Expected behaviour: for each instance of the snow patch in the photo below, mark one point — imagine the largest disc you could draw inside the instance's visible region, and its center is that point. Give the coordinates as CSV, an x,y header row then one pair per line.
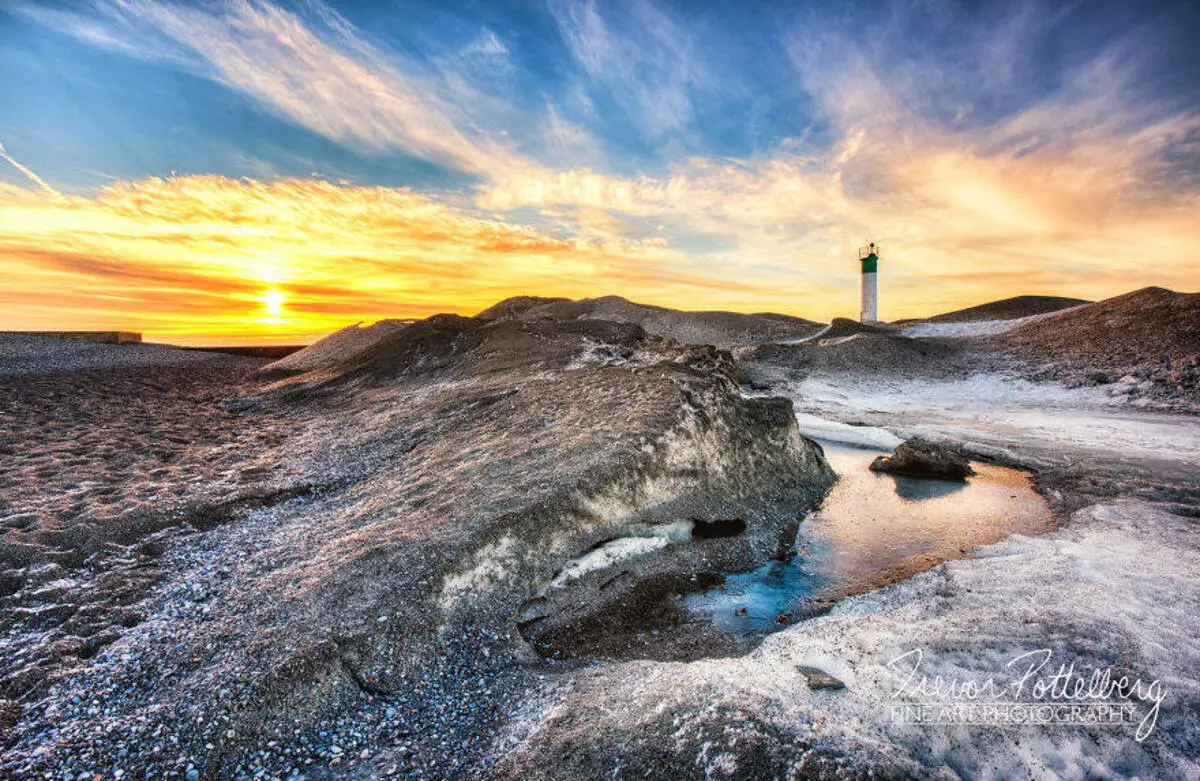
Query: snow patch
x,y
491,564
974,327
816,427
607,555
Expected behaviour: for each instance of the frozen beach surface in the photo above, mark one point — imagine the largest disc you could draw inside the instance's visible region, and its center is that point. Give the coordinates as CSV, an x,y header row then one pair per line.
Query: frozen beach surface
x,y
31,354
1084,596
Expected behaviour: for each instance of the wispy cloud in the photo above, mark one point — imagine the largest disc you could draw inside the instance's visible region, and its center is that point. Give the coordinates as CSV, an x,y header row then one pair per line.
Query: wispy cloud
x,y
984,172
317,71
4,155
646,62
1071,188
487,45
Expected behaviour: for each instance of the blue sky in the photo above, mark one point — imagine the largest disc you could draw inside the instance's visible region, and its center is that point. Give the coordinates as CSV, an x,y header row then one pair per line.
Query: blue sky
x,y
739,150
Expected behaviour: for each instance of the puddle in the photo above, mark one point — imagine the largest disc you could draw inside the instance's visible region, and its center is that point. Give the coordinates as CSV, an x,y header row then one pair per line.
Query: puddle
x,y
872,530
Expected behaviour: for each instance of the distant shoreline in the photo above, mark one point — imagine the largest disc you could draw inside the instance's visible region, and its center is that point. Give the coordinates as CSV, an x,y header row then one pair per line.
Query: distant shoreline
x,y
272,351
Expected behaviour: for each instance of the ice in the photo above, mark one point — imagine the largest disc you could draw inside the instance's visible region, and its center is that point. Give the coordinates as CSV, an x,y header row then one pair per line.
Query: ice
x,y
608,555
991,411
817,427
973,328
1116,591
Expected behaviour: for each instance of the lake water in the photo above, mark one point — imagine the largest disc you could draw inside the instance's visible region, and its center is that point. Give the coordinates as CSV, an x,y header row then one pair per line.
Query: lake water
x,y
872,530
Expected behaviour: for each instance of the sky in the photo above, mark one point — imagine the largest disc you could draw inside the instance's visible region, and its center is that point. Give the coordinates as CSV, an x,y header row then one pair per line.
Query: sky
x,y
261,171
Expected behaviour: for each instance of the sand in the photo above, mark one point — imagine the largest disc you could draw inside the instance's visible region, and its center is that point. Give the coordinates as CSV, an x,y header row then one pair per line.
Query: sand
x,y
336,347
104,448
1147,341
1007,309
196,563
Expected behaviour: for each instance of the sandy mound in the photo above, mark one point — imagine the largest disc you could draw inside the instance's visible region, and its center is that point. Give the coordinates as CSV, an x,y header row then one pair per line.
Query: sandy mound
x,y
431,509
336,347
1006,309
512,307
843,327
1150,336
725,330
865,351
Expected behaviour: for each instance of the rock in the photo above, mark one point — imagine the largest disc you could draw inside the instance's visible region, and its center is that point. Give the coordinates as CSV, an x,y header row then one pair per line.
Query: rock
x,y
918,458
819,679
10,713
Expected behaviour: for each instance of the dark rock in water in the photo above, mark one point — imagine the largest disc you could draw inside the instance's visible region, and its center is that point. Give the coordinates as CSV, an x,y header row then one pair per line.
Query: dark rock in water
x,y
918,458
470,488
819,679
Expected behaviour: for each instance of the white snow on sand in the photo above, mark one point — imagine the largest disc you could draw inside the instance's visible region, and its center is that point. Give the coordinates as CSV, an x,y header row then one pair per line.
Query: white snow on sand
x,y
976,392
1117,591
959,330
816,427
976,327
607,555
993,410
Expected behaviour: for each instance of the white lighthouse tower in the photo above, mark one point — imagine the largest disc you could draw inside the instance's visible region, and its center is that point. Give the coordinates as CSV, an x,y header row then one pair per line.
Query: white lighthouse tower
x,y
869,257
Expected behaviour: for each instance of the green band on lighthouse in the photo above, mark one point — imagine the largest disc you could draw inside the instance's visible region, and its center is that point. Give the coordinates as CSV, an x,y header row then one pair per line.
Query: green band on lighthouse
x,y
870,264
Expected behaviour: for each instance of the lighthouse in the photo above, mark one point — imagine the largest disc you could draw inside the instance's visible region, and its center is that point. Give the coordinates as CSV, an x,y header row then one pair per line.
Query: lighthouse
x,y
869,257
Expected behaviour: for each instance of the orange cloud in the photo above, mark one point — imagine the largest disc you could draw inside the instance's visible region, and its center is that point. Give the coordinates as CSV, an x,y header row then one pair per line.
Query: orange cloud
x,y
208,259
964,217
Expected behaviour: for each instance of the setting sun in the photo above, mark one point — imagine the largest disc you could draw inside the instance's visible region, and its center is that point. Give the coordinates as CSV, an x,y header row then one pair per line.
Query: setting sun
x,y
429,198
273,299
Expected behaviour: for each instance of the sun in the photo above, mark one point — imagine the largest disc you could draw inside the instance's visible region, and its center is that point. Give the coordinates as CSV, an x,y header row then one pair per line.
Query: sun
x,y
273,299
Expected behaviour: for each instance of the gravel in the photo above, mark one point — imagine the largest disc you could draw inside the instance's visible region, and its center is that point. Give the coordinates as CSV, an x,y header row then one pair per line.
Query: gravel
x,y
22,354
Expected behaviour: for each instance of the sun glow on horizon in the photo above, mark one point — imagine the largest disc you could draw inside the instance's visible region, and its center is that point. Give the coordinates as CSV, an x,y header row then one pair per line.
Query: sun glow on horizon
x,y
187,259
583,164
273,303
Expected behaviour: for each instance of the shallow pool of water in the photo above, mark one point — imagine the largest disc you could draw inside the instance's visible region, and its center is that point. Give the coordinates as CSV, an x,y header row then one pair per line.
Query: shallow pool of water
x,y
874,529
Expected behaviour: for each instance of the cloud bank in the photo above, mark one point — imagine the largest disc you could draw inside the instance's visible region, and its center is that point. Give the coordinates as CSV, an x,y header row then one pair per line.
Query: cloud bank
x,y
984,169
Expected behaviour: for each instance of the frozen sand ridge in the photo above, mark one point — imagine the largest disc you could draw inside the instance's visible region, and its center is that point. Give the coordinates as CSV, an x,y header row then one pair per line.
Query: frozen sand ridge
x,y
458,458
336,347
725,330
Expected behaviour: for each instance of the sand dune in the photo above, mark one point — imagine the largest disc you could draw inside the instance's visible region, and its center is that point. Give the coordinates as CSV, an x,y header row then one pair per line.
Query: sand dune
x,y
721,329
1149,339
1005,309
333,348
